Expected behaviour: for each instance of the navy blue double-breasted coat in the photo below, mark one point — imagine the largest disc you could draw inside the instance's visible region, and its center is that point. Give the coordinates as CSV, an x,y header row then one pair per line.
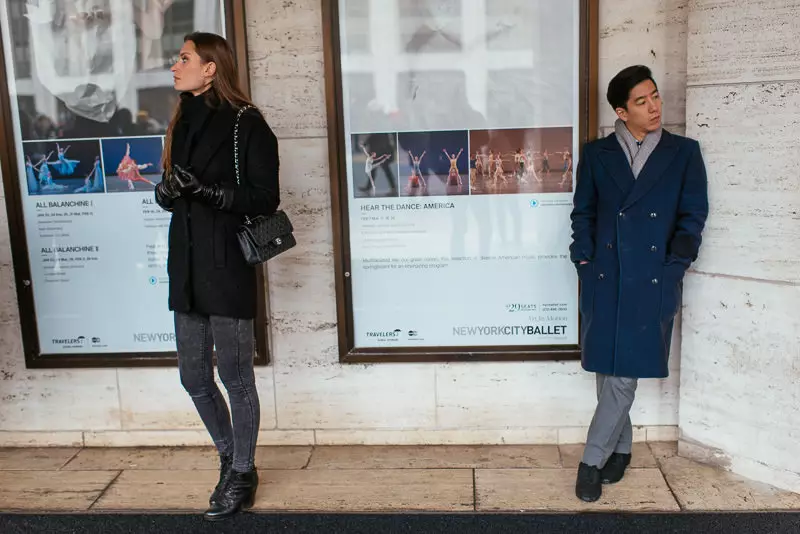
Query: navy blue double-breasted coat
x,y
639,236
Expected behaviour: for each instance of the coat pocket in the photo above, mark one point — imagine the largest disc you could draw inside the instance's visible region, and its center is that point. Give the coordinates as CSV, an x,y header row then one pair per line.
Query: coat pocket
x,y
586,296
671,290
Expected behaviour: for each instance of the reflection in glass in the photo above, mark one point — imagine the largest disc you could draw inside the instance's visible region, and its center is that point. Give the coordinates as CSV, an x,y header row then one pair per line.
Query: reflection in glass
x,y
99,68
435,64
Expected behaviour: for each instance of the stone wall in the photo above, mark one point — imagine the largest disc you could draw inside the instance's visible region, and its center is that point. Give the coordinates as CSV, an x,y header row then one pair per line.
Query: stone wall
x,y
740,400
306,395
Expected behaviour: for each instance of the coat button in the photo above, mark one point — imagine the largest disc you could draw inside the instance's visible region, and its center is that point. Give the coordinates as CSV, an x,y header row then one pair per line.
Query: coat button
x,y
609,246
655,281
622,215
653,215
601,276
653,248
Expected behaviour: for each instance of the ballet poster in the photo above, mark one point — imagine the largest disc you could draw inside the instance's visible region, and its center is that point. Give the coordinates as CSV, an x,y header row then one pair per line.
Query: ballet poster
x,y
461,129
72,167
132,164
91,97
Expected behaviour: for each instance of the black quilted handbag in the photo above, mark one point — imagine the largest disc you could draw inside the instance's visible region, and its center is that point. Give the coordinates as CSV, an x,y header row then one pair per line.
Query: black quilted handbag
x,y
265,236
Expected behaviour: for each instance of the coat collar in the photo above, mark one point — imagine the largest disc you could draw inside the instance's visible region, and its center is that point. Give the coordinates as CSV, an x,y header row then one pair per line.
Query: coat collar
x,y
217,131
613,159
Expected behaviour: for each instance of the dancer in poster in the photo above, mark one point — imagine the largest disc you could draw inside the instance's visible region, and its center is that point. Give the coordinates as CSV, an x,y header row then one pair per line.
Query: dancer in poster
x,y
453,177
530,157
369,166
93,183
545,162
416,183
65,166
128,169
30,176
46,183
473,170
567,171
519,160
498,169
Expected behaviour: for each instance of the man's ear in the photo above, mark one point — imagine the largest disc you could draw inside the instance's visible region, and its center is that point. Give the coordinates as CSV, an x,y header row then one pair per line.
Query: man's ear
x,y
622,113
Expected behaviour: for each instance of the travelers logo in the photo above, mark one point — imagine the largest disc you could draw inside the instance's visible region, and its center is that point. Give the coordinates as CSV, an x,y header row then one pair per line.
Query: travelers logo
x,y
386,334
70,342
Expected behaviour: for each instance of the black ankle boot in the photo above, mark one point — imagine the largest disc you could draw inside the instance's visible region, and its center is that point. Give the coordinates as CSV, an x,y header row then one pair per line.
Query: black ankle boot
x,y
614,469
225,468
238,493
588,486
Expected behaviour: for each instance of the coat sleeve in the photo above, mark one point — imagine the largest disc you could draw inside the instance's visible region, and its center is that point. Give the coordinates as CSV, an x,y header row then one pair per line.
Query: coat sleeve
x,y
584,212
163,199
685,242
259,190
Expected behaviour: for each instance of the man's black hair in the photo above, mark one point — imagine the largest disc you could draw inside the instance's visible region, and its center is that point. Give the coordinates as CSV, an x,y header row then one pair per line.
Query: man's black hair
x,y
619,88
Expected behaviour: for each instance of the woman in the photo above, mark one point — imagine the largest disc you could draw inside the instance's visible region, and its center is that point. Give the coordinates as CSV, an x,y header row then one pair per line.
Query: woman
x,y
416,183
567,174
519,159
498,169
128,169
212,289
453,176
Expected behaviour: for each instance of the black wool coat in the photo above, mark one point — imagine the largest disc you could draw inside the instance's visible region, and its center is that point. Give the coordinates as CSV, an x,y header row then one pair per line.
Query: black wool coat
x,y
207,271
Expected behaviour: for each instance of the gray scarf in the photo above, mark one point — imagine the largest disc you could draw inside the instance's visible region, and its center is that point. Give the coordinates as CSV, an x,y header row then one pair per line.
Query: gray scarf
x,y
636,153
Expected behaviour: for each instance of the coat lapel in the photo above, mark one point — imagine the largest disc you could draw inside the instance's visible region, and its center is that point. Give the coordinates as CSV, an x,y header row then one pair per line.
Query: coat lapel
x,y
653,170
216,133
613,159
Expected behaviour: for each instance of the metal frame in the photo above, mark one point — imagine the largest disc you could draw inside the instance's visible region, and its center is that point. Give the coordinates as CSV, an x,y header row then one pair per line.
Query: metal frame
x,y
588,66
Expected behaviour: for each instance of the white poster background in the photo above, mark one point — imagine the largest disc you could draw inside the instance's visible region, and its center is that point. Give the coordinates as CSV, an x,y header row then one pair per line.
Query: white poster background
x,y
466,270
98,261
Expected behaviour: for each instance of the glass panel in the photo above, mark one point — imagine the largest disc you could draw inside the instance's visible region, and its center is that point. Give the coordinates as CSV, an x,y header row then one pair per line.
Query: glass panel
x,y
461,121
92,95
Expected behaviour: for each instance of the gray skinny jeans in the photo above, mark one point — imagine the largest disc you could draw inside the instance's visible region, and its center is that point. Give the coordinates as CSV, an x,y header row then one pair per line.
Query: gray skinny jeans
x,y
196,336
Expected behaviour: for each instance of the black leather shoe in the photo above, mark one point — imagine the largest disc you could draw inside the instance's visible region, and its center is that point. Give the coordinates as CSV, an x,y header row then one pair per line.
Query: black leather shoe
x,y
614,469
588,486
238,493
225,468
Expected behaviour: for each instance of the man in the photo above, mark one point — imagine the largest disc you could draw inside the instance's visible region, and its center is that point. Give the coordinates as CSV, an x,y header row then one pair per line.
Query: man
x,y
640,206
382,144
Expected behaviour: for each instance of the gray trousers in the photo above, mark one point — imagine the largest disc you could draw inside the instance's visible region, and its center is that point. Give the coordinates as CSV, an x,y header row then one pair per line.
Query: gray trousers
x,y
197,335
611,429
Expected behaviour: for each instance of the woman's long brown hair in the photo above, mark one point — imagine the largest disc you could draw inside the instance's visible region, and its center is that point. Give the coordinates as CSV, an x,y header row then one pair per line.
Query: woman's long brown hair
x,y
225,85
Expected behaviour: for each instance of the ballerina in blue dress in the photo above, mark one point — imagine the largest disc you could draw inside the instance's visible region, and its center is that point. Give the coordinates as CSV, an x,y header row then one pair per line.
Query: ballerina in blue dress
x,y
93,182
30,176
65,166
46,177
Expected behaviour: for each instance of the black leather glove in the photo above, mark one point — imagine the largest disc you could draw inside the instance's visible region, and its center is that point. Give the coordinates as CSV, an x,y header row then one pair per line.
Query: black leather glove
x,y
166,193
213,195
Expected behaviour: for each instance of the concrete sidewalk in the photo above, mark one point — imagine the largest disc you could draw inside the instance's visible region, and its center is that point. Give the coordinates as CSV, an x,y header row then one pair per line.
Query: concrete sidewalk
x,y
371,478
